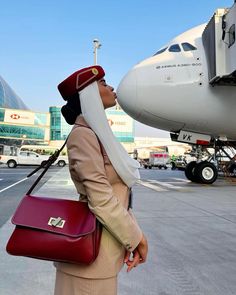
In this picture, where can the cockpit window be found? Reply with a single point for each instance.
(175, 48)
(160, 51)
(188, 47)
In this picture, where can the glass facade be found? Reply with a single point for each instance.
(8, 98)
(19, 126)
(121, 124)
(59, 128)
(22, 132)
(40, 119)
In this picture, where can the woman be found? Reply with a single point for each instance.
(103, 174)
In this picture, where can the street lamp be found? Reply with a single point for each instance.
(23, 138)
(96, 46)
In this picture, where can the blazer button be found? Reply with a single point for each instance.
(128, 246)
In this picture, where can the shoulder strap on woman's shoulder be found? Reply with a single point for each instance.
(100, 144)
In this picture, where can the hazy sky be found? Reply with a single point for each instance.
(42, 42)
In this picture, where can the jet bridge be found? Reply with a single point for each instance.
(220, 47)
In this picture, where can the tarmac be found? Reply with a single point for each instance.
(192, 244)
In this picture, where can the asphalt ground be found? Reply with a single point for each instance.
(191, 233)
(13, 186)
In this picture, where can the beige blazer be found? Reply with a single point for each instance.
(98, 183)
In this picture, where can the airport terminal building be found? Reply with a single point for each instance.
(121, 125)
(19, 125)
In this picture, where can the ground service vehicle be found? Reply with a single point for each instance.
(157, 159)
(179, 163)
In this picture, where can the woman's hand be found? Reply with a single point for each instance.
(132, 261)
(142, 248)
(139, 255)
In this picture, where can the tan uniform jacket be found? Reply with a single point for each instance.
(98, 183)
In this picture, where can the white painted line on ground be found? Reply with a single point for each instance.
(166, 184)
(12, 173)
(154, 187)
(13, 184)
(181, 179)
(176, 182)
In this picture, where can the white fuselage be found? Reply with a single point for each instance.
(170, 91)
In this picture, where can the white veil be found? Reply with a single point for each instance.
(95, 116)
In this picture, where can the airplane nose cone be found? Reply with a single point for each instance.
(127, 94)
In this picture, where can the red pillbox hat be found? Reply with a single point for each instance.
(79, 80)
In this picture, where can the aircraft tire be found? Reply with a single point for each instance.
(190, 171)
(206, 172)
(232, 169)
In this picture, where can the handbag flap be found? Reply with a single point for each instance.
(66, 217)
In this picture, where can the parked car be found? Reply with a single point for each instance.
(30, 158)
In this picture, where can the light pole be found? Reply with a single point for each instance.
(96, 46)
(23, 138)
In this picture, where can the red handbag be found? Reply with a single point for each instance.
(54, 229)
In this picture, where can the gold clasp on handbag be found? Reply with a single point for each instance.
(57, 222)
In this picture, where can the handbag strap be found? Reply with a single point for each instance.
(100, 144)
(46, 164)
(54, 157)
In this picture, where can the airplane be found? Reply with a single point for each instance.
(188, 88)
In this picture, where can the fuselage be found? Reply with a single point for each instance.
(171, 91)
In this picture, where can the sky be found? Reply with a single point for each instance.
(43, 42)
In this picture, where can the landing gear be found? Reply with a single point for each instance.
(232, 169)
(213, 156)
(203, 172)
(206, 172)
(189, 171)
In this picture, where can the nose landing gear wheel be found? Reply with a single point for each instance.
(206, 172)
(203, 172)
(189, 171)
(232, 170)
